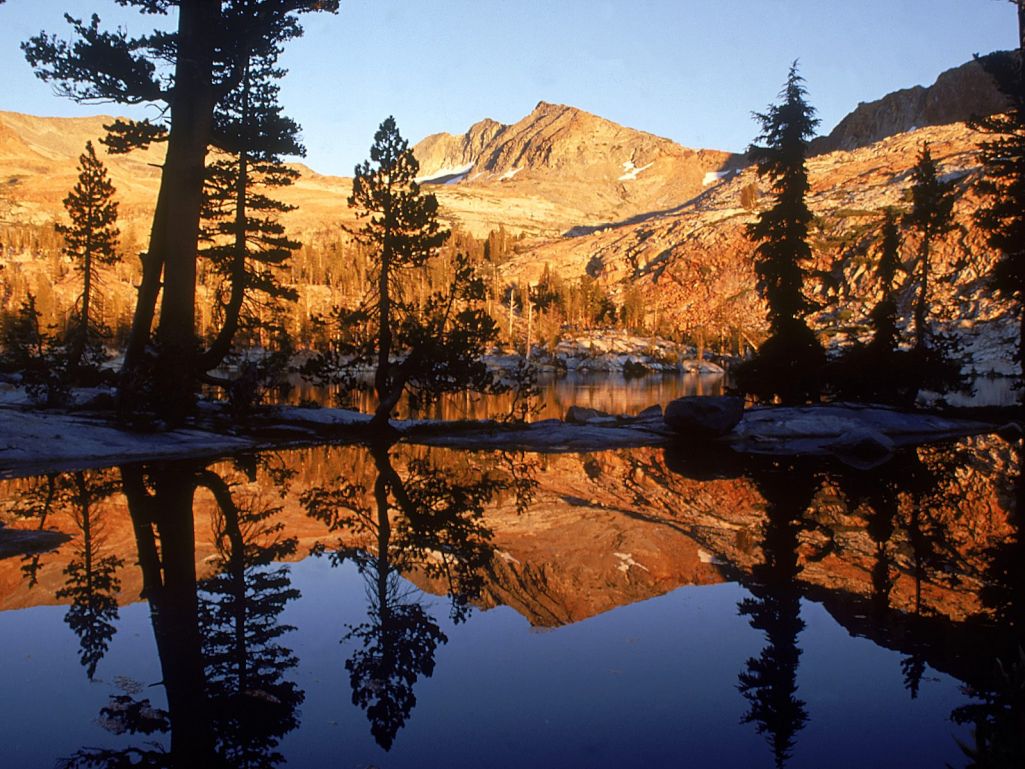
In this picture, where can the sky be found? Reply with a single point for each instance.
(690, 70)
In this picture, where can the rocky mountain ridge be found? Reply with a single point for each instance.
(957, 95)
(602, 167)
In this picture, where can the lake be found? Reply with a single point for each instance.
(611, 393)
(411, 607)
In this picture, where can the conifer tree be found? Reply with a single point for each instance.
(187, 73)
(789, 362)
(247, 245)
(931, 215)
(1003, 182)
(439, 340)
(884, 314)
(90, 240)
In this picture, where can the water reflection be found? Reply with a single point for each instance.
(217, 638)
(91, 581)
(923, 556)
(769, 683)
(998, 716)
(612, 393)
(428, 519)
(925, 513)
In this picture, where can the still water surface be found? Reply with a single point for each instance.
(611, 393)
(413, 607)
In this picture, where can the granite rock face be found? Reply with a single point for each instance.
(957, 95)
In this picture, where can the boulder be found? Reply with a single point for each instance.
(581, 415)
(652, 412)
(704, 417)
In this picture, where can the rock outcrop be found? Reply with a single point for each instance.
(957, 95)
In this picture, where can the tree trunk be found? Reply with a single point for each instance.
(145, 304)
(1021, 35)
(176, 233)
(921, 305)
(381, 377)
(82, 332)
(169, 583)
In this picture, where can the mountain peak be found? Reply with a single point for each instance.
(547, 106)
(596, 164)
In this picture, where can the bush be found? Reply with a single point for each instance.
(870, 373)
(789, 366)
(37, 356)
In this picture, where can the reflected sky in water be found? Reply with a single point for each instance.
(407, 607)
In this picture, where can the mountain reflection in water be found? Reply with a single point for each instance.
(863, 617)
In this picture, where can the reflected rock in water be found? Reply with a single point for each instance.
(90, 581)
(998, 712)
(900, 554)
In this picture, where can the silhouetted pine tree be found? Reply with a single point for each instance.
(879, 371)
(1003, 182)
(440, 338)
(247, 244)
(36, 354)
(187, 72)
(90, 240)
(789, 363)
(884, 314)
(931, 215)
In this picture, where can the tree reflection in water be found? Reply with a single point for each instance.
(91, 582)
(769, 682)
(427, 520)
(998, 714)
(218, 639)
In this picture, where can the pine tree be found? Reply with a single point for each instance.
(186, 73)
(931, 215)
(404, 233)
(1003, 182)
(247, 245)
(789, 363)
(90, 240)
(439, 339)
(884, 314)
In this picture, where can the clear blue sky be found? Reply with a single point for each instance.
(691, 70)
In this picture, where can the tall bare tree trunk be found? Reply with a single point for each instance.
(191, 122)
(175, 232)
(146, 302)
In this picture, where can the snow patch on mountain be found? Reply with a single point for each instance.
(630, 171)
(446, 175)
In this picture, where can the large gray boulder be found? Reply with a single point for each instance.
(704, 417)
(581, 415)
